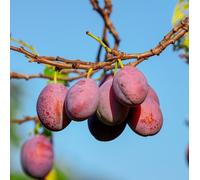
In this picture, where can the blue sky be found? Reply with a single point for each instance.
(58, 28)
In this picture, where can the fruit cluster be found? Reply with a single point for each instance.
(125, 98)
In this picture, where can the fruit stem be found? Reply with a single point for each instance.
(89, 73)
(120, 62)
(108, 50)
(37, 127)
(116, 67)
(55, 77)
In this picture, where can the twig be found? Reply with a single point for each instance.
(175, 34)
(15, 75)
(105, 14)
(108, 10)
(105, 40)
(25, 119)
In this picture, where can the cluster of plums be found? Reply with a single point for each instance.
(125, 98)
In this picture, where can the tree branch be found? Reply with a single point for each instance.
(105, 14)
(15, 75)
(25, 119)
(61, 63)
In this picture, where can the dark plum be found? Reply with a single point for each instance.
(82, 99)
(130, 86)
(103, 132)
(109, 110)
(37, 156)
(50, 107)
(146, 119)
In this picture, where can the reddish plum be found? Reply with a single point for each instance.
(37, 156)
(109, 110)
(146, 119)
(153, 94)
(50, 107)
(82, 99)
(130, 86)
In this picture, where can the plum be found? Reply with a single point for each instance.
(50, 107)
(130, 86)
(103, 132)
(82, 99)
(152, 94)
(109, 110)
(146, 119)
(37, 156)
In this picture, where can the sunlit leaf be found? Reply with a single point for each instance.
(186, 6)
(178, 13)
(52, 175)
(181, 10)
(186, 41)
(56, 174)
(24, 44)
(50, 71)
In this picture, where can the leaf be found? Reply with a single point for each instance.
(52, 175)
(178, 14)
(18, 176)
(46, 132)
(56, 174)
(24, 44)
(186, 6)
(186, 41)
(180, 11)
(50, 71)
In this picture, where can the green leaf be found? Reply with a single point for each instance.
(37, 128)
(56, 174)
(178, 14)
(24, 44)
(61, 175)
(180, 11)
(50, 71)
(46, 132)
(186, 6)
(19, 176)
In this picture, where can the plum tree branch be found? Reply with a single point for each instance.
(25, 119)
(15, 75)
(105, 14)
(108, 9)
(61, 63)
(175, 34)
